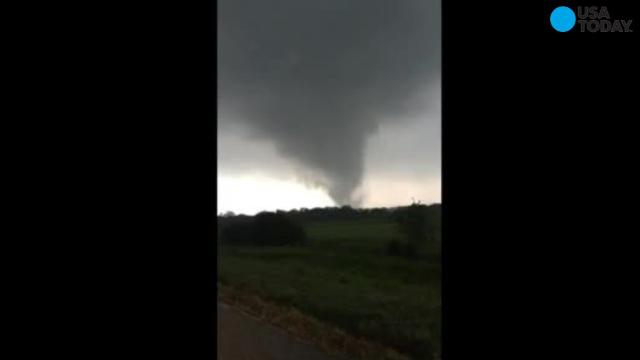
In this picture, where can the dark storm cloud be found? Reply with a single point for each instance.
(317, 77)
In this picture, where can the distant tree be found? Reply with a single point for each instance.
(237, 233)
(264, 229)
(421, 225)
(276, 229)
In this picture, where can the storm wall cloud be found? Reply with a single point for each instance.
(318, 78)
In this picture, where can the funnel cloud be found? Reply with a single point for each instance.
(319, 78)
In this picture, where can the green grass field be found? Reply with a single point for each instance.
(345, 278)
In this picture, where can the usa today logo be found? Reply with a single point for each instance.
(589, 19)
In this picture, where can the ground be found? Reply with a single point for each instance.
(241, 337)
(345, 278)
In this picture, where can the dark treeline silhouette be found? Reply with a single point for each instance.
(264, 229)
(421, 225)
(338, 213)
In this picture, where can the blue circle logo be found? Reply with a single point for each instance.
(563, 19)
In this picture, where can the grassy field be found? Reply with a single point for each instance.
(344, 278)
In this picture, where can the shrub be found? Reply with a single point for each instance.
(421, 225)
(276, 229)
(265, 229)
(239, 233)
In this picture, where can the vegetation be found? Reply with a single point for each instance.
(305, 328)
(422, 227)
(265, 229)
(346, 274)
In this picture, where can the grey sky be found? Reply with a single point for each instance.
(335, 93)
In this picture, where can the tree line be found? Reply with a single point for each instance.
(421, 225)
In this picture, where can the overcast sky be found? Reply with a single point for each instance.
(328, 102)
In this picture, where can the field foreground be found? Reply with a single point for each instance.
(242, 337)
(344, 278)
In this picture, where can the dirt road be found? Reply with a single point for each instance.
(241, 337)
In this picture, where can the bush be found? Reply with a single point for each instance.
(276, 229)
(265, 229)
(421, 225)
(240, 233)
